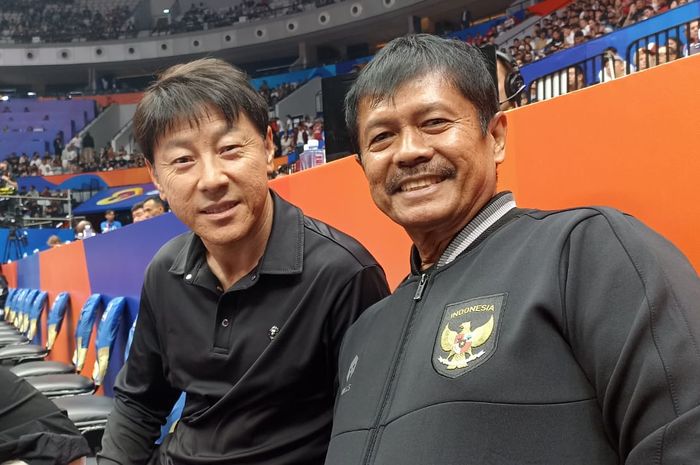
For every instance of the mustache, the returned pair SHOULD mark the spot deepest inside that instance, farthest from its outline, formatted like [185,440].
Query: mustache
[440,170]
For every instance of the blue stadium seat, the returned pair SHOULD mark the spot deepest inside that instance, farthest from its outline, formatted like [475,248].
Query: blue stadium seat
[35,351]
[73,384]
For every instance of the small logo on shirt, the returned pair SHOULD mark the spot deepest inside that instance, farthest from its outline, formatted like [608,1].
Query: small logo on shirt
[273,332]
[351,371]
[467,334]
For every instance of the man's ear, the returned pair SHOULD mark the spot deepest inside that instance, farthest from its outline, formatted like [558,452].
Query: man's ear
[154,179]
[498,130]
[358,159]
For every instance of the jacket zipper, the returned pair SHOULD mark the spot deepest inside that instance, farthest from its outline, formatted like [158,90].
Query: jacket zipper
[404,337]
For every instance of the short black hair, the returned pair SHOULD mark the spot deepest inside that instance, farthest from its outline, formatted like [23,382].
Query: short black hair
[136,206]
[107,212]
[190,91]
[405,58]
[156,199]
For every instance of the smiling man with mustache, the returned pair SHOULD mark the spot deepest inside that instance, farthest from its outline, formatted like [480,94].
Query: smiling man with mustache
[520,336]
[246,312]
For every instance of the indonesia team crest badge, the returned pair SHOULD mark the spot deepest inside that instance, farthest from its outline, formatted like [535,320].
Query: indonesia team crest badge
[467,334]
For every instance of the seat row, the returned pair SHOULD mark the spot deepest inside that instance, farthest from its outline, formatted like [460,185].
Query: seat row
[63,382]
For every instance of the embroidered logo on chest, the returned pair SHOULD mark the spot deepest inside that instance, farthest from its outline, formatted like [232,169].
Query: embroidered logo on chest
[467,334]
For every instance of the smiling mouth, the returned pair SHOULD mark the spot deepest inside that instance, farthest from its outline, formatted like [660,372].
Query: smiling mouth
[218,208]
[417,184]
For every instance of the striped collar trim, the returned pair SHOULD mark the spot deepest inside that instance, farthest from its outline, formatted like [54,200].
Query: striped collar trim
[494,211]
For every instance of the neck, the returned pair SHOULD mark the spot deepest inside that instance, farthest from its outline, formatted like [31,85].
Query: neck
[230,262]
[432,242]
[431,246]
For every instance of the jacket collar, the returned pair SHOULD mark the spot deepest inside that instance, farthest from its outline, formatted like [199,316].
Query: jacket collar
[284,252]
[473,232]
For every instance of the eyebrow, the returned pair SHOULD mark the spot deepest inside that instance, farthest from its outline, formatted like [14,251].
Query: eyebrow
[179,142]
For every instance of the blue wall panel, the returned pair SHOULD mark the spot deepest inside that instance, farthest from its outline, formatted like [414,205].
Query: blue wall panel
[116,262]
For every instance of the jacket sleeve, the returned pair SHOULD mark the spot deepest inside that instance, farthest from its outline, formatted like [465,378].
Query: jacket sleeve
[364,289]
[142,397]
[33,428]
[632,305]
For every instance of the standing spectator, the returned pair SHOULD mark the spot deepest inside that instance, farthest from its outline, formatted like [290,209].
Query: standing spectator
[68,157]
[58,145]
[87,154]
[109,224]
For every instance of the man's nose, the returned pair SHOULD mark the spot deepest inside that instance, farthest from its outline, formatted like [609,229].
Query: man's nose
[413,148]
[212,176]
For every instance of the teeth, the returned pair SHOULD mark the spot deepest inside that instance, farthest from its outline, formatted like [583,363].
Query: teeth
[217,209]
[419,184]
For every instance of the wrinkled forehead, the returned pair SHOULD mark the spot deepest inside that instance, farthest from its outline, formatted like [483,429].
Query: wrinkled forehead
[435,82]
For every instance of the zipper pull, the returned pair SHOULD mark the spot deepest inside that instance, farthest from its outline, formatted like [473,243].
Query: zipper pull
[421,286]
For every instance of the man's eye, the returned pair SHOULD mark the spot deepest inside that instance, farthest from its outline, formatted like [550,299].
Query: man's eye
[229,150]
[380,137]
[181,160]
[434,122]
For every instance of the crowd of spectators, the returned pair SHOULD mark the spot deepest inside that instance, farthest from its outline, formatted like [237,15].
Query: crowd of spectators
[72,159]
[491,36]
[291,135]
[24,21]
[200,17]
[584,20]
[274,94]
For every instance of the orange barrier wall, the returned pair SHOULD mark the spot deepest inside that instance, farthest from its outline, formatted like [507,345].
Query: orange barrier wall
[123,177]
[630,143]
[63,268]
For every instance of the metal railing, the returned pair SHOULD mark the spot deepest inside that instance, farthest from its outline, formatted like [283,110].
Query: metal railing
[29,211]
[645,52]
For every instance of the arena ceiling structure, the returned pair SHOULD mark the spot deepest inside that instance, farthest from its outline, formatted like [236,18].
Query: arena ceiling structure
[296,36]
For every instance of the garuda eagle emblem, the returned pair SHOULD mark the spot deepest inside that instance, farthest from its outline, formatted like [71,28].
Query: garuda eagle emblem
[459,345]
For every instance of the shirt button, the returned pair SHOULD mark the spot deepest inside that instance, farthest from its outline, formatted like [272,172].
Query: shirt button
[219,288]
[225,322]
[254,277]
[189,276]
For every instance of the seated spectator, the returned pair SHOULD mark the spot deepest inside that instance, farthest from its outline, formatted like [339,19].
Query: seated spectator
[693,45]
[84,230]
[53,241]
[575,79]
[137,213]
[153,207]
[109,224]
[645,57]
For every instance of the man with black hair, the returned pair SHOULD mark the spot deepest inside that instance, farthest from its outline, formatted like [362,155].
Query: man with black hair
[520,336]
[110,223]
[245,313]
[153,206]
[137,213]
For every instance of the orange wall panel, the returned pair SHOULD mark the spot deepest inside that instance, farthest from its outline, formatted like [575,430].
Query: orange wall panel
[337,193]
[63,269]
[631,144]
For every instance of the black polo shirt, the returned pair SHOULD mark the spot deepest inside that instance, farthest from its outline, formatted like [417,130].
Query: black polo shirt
[258,361]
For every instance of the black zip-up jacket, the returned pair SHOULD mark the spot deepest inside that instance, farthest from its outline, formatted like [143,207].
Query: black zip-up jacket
[557,338]
[257,361]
